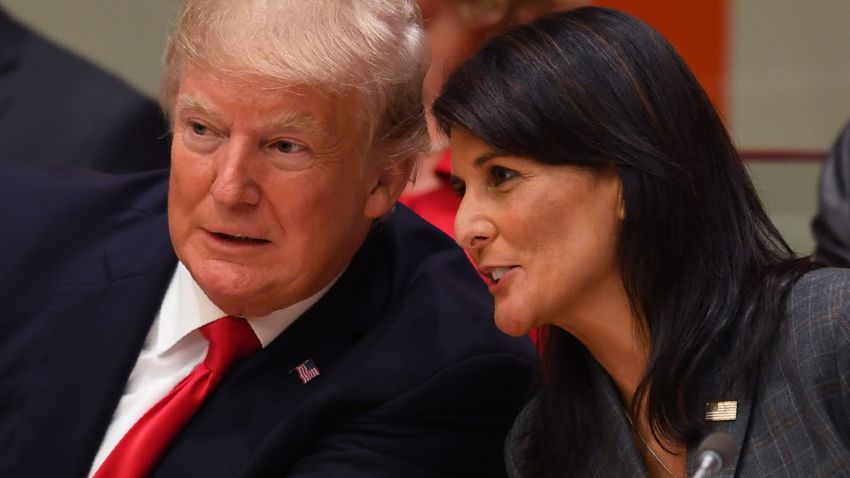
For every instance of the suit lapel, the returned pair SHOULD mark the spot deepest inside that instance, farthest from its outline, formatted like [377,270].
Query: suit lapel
[712,392]
[623,459]
[619,456]
[95,329]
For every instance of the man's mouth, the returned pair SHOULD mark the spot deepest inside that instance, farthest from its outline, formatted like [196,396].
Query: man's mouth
[239,238]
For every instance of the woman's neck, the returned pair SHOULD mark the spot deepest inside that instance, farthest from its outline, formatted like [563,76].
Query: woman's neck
[605,324]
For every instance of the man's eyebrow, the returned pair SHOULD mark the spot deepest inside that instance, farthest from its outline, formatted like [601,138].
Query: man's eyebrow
[192,103]
[298,121]
[287,120]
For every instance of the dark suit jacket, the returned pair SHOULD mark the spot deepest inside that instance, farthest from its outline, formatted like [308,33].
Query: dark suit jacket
[831,226]
[57,108]
[798,421]
[415,379]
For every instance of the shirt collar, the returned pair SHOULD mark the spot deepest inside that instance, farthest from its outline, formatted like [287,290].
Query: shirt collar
[186,308]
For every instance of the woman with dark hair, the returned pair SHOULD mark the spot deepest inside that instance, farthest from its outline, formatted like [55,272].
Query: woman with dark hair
[603,197]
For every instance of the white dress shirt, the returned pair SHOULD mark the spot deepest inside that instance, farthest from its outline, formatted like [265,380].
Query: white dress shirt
[174,346]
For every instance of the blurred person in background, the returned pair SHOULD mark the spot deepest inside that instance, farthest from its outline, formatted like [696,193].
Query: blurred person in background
[455,29]
[602,196]
[263,308]
[56,108]
[831,226]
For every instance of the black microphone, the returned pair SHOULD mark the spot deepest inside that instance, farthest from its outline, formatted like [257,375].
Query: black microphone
[714,453]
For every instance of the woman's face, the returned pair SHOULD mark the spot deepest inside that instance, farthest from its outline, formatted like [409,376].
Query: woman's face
[544,237]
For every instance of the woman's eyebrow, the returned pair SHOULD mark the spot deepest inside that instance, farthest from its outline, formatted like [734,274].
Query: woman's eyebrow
[480,160]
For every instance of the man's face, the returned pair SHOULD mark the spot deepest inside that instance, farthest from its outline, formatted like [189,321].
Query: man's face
[271,192]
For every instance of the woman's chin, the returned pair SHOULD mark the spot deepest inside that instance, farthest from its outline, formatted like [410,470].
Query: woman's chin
[513,325]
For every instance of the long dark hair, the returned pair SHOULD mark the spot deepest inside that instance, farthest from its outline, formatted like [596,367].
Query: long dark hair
[704,267]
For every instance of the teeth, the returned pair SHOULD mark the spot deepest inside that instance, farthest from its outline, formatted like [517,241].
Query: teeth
[497,273]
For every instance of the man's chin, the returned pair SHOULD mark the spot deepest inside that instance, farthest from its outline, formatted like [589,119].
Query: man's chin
[239,304]
[233,288]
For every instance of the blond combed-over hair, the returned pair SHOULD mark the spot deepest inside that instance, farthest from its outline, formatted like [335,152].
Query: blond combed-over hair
[375,49]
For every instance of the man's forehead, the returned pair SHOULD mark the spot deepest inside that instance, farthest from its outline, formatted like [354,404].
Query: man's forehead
[295,107]
[276,104]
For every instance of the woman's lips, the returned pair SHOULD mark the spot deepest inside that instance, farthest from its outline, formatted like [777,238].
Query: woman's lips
[496,275]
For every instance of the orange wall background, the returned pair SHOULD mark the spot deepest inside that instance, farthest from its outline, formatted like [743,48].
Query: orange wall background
[699,31]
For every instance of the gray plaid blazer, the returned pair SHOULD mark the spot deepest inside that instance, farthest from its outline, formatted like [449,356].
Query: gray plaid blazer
[797,423]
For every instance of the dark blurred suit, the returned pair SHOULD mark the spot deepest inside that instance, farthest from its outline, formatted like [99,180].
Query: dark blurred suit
[57,108]
[831,226]
[416,381]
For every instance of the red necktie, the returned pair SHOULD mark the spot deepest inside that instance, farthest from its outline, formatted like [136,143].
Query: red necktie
[230,338]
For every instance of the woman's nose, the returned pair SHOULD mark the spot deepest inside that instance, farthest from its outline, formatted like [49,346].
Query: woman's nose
[473,229]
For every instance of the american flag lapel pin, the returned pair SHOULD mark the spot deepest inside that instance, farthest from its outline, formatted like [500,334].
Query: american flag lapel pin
[306,371]
[721,411]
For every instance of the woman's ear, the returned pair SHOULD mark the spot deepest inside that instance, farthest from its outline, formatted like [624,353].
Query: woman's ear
[614,172]
[621,203]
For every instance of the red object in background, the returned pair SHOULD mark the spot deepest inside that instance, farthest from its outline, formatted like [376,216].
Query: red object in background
[699,32]
[438,206]
[537,336]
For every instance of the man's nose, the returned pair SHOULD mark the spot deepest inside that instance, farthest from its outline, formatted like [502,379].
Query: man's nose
[234,183]
[473,228]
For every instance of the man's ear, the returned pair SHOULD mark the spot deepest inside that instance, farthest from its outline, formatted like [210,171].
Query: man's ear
[389,180]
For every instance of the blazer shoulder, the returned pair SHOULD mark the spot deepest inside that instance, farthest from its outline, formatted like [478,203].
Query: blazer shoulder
[64,188]
[802,403]
[821,298]
[60,212]
[817,332]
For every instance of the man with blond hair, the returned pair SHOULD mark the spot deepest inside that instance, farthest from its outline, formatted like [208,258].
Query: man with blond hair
[264,308]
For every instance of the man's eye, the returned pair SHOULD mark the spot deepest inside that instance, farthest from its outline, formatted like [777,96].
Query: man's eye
[288,147]
[500,175]
[289,155]
[199,129]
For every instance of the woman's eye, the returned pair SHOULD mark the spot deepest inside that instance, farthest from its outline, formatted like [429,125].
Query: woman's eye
[500,175]
[457,185]
[288,147]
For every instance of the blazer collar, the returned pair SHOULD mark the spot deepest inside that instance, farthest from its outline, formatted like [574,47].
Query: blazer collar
[713,394]
[624,459]
[620,456]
